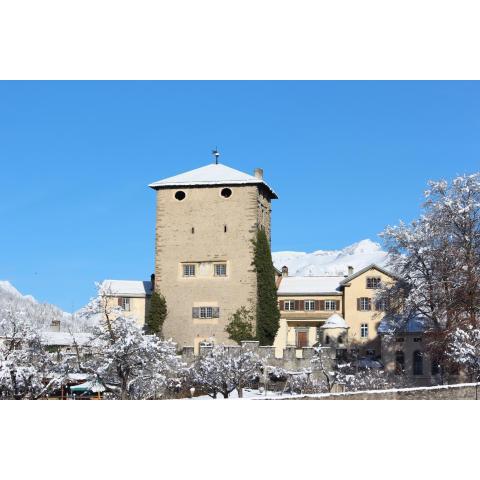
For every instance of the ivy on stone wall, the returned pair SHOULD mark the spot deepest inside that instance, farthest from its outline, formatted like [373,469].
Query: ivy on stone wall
[268,315]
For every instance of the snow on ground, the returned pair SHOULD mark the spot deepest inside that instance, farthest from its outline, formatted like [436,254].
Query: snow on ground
[331,262]
[248,394]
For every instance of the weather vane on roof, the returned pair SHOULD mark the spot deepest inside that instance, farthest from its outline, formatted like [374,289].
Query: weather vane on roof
[216,154]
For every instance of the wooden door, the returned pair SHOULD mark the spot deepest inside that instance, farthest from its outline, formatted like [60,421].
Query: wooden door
[302,339]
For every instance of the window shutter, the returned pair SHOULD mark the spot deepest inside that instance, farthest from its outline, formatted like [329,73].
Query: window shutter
[316,305]
[358,303]
[196,312]
[369,303]
[215,312]
[282,305]
[338,305]
[120,301]
[301,305]
[296,303]
[322,304]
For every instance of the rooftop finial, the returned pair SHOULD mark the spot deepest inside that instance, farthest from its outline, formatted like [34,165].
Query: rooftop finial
[216,154]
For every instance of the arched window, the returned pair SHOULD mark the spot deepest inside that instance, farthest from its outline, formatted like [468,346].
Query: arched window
[399,361]
[417,362]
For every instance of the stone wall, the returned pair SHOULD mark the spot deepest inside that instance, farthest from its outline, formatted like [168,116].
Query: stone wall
[202,229]
[289,360]
[464,391]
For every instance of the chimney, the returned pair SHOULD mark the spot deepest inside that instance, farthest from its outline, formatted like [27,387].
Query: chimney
[258,172]
[55,326]
[350,270]
[284,271]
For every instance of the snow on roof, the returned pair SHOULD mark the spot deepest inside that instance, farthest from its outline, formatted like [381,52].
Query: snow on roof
[64,338]
[400,324]
[131,288]
[212,174]
[310,285]
[335,321]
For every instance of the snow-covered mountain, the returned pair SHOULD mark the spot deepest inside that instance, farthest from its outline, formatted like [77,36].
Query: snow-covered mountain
[331,262]
[39,314]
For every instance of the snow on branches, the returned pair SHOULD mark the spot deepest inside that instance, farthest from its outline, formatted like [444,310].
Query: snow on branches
[465,350]
[27,370]
[438,259]
[223,370]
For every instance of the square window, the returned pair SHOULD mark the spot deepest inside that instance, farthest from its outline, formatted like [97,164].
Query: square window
[330,305]
[206,312]
[364,303]
[289,305]
[189,270]
[374,282]
[309,305]
[220,269]
[417,339]
[381,305]
[399,339]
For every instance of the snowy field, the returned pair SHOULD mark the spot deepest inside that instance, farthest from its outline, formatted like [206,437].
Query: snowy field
[249,394]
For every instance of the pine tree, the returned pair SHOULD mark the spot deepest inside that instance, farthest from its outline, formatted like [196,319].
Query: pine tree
[268,315]
[156,314]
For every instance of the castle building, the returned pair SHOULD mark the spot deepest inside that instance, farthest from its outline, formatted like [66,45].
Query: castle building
[206,220]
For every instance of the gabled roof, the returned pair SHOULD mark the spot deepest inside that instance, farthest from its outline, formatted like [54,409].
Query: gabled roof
[324,285]
[335,321]
[130,288]
[366,269]
[64,338]
[212,174]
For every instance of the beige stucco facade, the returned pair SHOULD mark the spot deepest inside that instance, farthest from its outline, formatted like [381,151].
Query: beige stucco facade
[350,289]
[294,322]
[355,318]
[204,229]
[137,310]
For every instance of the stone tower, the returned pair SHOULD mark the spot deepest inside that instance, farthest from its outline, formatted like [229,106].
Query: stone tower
[205,222]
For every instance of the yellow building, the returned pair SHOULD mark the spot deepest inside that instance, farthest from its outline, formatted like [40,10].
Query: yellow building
[340,311]
[132,296]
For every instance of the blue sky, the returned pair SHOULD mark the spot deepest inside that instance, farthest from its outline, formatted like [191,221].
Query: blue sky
[346,158]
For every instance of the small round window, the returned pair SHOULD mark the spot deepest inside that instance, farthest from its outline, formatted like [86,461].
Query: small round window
[180,195]
[226,193]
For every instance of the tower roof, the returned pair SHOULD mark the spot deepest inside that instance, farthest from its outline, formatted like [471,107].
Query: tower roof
[212,174]
[335,321]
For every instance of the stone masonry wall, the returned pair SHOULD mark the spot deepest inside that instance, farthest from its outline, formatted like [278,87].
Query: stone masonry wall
[465,391]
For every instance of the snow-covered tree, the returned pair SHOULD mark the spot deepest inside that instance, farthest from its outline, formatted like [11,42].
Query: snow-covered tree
[222,371]
[130,364]
[127,362]
[27,370]
[465,350]
[438,259]
[323,362]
